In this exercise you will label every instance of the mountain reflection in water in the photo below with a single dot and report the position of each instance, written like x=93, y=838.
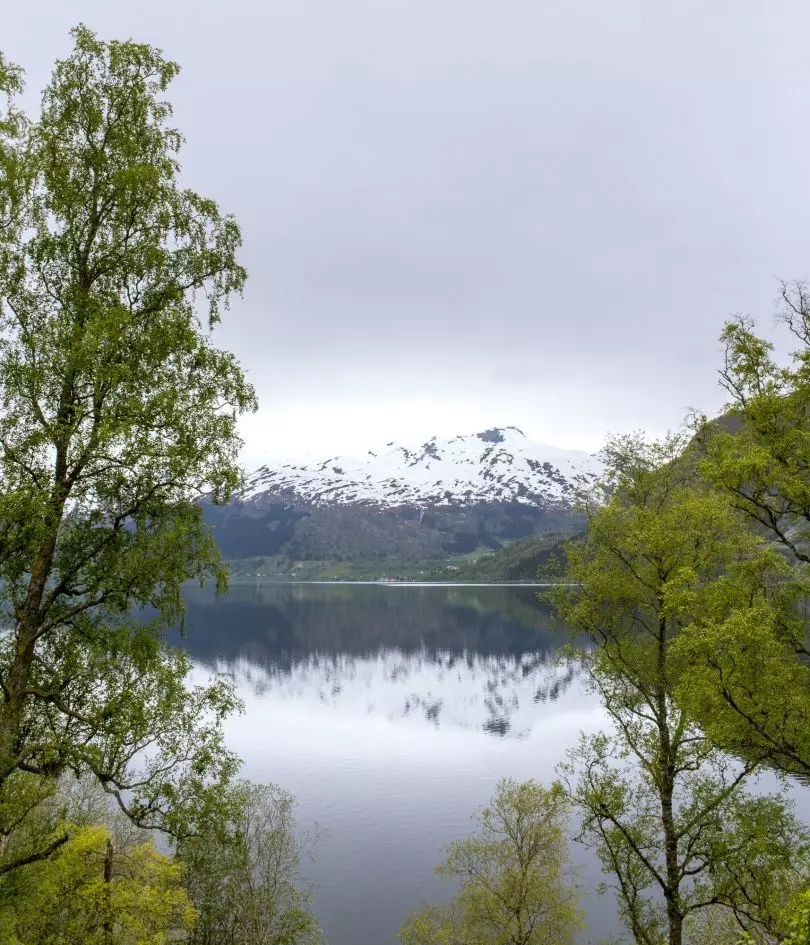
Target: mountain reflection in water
x=391, y=713
x=480, y=658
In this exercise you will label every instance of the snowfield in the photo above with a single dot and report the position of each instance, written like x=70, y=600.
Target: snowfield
x=498, y=465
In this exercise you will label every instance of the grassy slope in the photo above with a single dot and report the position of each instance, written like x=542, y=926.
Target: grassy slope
x=518, y=561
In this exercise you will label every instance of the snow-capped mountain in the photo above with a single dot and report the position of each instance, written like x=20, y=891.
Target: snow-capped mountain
x=495, y=466
x=449, y=496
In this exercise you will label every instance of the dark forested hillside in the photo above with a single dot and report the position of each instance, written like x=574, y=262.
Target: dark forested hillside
x=300, y=532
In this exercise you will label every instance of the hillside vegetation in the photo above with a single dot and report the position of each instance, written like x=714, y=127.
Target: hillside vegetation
x=535, y=557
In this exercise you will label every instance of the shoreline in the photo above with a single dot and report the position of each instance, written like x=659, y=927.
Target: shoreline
x=259, y=583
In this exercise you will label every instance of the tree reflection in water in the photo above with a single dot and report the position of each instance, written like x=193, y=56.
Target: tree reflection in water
x=480, y=658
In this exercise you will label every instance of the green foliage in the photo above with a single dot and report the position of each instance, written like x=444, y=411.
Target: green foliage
x=12, y=126
x=762, y=462
x=517, y=885
x=797, y=920
x=244, y=880
x=743, y=681
x=524, y=559
x=89, y=892
x=663, y=807
x=117, y=413
x=107, y=883
x=750, y=680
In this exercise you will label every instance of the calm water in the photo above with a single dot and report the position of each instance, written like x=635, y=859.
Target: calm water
x=390, y=712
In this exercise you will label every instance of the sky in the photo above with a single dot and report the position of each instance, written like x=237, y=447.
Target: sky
x=459, y=214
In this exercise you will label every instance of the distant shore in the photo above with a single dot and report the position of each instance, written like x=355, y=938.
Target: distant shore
x=244, y=582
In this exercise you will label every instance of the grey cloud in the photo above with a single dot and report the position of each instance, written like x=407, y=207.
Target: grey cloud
x=515, y=203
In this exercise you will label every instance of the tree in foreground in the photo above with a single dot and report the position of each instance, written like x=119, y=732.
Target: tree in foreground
x=687, y=848
x=116, y=414
x=236, y=881
x=107, y=883
x=750, y=683
x=797, y=920
x=90, y=892
x=517, y=883
x=244, y=881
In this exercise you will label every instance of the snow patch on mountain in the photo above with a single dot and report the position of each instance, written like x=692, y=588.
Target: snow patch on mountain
x=496, y=465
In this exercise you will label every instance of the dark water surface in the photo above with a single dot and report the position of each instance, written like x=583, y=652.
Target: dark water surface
x=390, y=712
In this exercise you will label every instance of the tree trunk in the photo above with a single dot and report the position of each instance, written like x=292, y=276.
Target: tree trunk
x=671, y=892
x=11, y=714
x=666, y=791
x=28, y=625
x=107, y=927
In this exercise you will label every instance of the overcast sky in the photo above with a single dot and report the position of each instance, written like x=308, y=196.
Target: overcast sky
x=463, y=213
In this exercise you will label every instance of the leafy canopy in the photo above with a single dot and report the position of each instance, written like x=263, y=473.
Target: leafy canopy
x=517, y=884
x=749, y=682
x=687, y=848
x=244, y=880
x=107, y=883
x=86, y=893
x=117, y=412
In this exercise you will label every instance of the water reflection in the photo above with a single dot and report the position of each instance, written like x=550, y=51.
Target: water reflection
x=391, y=712
x=470, y=658
x=496, y=694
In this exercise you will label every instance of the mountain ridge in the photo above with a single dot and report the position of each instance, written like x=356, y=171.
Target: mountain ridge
x=402, y=509
x=496, y=465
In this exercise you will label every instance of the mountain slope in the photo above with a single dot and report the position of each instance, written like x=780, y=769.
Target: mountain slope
x=448, y=497
x=524, y=559
x=498, y=465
